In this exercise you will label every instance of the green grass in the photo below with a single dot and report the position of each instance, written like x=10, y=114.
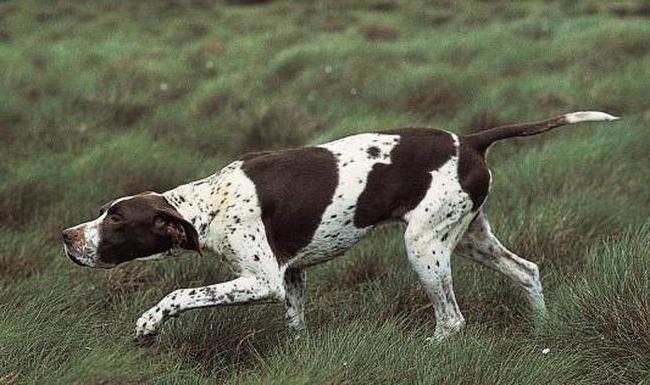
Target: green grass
x=101, y=99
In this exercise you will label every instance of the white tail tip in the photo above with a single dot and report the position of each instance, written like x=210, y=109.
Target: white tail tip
x=589, y=116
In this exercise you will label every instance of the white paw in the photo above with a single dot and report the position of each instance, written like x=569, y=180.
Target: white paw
x=148, y=323
x=444, y=331
x=437, y=337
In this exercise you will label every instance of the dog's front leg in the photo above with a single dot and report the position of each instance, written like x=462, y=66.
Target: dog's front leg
x=238, y=291
x=294, y=302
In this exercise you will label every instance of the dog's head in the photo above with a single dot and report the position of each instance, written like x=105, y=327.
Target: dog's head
x=129, y=228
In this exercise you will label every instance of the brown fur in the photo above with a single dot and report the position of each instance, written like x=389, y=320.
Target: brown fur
x=482, y=140
x=396, y=188
x=473, y=173
x=294, y=188
x=141, y=226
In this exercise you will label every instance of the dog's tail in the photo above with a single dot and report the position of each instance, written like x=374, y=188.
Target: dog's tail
x=481, y=141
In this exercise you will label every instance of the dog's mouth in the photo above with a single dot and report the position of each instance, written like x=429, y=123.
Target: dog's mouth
x=75, y=259
x=71, y=254
x=85, y=257
x=95, y=263
x=72, y=257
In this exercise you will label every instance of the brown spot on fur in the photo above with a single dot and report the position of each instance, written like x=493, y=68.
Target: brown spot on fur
x=74, y=237
x=396, y=188
x=373, y=152
x=294, y=188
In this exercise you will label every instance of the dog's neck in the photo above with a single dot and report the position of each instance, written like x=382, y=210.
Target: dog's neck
x=192, y=200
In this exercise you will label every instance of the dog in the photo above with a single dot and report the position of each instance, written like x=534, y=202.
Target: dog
x=273, y=214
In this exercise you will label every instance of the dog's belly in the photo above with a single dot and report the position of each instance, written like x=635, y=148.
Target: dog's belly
x=331, y=246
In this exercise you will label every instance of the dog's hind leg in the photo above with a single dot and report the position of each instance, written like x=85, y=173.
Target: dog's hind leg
x=295, y=284
x=480, y=245
x=429, y=251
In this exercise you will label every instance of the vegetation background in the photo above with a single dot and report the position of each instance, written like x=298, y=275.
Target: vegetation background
x=105, y=98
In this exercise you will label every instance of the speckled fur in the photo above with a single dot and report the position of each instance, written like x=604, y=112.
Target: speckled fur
x=225, y=211
x=432, y=180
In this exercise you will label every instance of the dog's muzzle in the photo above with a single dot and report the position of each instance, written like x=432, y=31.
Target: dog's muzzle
x=73, y=240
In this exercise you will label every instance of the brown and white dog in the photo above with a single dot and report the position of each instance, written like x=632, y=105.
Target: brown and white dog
x=273, y=214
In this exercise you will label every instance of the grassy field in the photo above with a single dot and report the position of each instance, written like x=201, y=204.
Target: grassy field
x=105, y=98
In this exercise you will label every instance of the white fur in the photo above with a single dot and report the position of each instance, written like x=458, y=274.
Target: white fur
x=480, y=245
x=588, y=116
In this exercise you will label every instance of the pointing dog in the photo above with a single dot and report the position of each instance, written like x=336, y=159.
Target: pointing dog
x=273, y=214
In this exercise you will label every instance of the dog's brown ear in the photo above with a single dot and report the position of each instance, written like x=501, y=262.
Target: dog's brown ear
x=181, y=233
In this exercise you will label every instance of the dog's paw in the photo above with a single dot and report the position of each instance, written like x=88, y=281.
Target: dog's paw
x=444, y=331
x=147, y=324
x=435, y=339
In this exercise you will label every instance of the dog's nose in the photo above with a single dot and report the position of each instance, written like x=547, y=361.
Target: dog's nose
x=68, y=235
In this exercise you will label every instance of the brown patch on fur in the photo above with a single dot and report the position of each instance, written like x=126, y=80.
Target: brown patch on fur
x=480, y=141
x=373, y=152
x=473, y=173
x=294, y=188
x=142, y=226
x=396, y=188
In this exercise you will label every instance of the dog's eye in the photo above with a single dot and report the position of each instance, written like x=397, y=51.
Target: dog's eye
x=114, y=218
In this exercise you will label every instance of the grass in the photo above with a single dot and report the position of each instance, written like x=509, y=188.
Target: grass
x=102, y=99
